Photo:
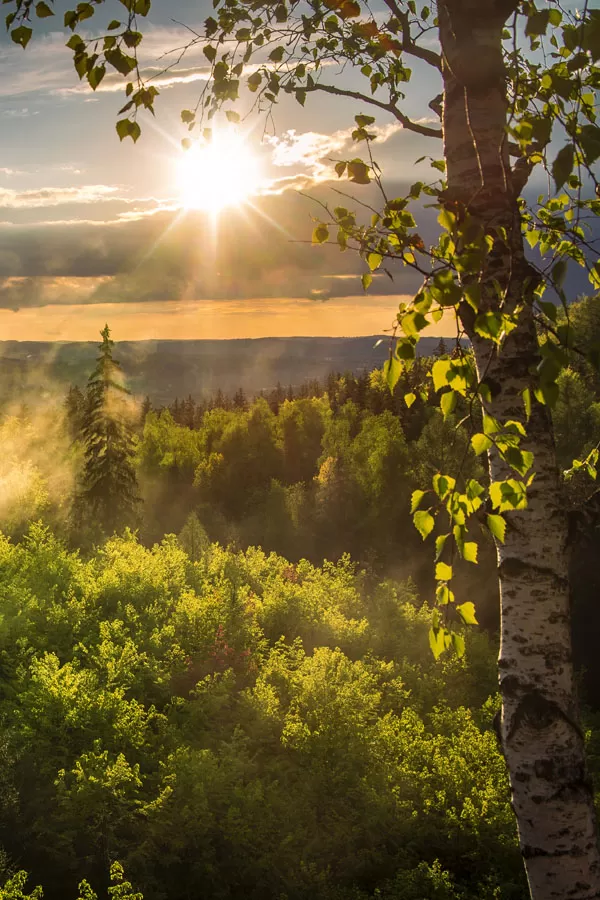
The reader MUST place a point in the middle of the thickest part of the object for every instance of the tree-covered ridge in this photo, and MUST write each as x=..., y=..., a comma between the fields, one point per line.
x=239, y=726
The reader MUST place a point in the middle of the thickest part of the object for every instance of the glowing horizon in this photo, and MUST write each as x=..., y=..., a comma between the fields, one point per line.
x=210, y=320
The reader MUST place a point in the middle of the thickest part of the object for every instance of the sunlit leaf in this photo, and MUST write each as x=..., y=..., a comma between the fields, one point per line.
x=497, y=526
x=467, y=613
x=424, y=522
x=443, y=572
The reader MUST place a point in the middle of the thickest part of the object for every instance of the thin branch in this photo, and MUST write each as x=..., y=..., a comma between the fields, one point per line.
x=408, y=45
x=388, y=107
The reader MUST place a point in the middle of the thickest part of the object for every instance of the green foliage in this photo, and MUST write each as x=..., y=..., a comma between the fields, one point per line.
x=243, y=722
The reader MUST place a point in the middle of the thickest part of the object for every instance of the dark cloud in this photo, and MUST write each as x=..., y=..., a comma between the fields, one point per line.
x=255, y=252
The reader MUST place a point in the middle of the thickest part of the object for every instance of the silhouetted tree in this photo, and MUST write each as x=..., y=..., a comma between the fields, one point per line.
x=75, y=403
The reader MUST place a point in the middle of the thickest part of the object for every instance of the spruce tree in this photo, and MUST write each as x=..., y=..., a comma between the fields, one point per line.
x=108, y=491
x=74, y=407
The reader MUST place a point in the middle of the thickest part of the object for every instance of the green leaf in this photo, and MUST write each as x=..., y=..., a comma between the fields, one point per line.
x=392, y=370
x=424, y=522
x=405, y=349
x=497, y=526
x=409, y=399
x=474, y=489
x=436, y=641
x=563, y=165
x=480, y=443
x=591, y=34
x=211, y=54
x=358, y=172
x=276, y=55
x=443, y=484
x=508, y=495
x=75, y=43
x=443, y=594
x=549, y=309
x=364, y=121
x=112, y=26
x=443, y=572
x=470, y=551
x=440, y=373
x=132, y=38
x=43, y=11
x=439, y=545
x=589, y=139
x=412, y=323
x=559, y=272
x=537, y=22
x=547, y=394
x=21, y=35
x=467, y=613
x=366, y=279
x=95, y=76
x=416, y=498
x=120, y=61
x=374, y=260
x=458, y=643
x=320, y=234
x=448, y=403
x=232, y=116
x=527, y=402
x=128, y=128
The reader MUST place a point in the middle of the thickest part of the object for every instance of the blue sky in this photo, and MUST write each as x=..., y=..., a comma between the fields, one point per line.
x=85, y=219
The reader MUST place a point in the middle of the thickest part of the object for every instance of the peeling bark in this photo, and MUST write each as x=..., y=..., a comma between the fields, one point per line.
x=540, y=734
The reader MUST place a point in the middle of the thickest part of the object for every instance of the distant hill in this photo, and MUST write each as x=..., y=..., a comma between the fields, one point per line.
x=163, y=370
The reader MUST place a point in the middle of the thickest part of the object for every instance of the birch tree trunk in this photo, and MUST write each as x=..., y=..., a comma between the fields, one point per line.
x=541, y=737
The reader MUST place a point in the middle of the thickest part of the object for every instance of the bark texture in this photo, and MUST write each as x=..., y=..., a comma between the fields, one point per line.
x=541, y=736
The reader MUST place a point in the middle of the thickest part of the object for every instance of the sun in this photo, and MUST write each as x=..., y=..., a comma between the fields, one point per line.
x=215, y=174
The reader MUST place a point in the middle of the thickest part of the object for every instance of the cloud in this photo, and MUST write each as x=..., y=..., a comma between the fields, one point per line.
x=159, y=77
x=262, y=250
x=46, y=65
x=41, y=197
x=21, y=113
x=316, y=152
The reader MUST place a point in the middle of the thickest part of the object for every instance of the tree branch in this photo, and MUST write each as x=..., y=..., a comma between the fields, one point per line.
x=388, y=107
x=408, y=45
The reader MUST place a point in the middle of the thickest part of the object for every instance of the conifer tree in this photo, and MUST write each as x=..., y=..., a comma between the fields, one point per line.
x=108, y=491
x=74, y=410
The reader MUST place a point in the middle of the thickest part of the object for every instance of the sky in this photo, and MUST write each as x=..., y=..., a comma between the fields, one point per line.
x=94, y=230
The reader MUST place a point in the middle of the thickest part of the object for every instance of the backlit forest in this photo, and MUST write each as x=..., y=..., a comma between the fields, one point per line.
x=215, y=672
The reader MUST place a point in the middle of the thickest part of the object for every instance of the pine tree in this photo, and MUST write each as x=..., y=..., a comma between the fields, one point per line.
x=74, y=411
x=239, y=399
x=188, y=410
x=441, y=349
x=108, y=489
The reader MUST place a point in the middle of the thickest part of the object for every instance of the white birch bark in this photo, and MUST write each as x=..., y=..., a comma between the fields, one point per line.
x=541, y=737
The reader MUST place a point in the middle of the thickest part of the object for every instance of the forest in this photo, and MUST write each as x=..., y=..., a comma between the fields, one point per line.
x=216, y=678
